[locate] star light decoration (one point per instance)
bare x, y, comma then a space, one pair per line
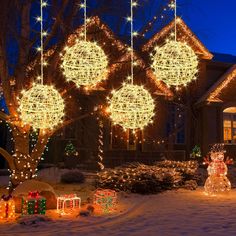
84, 63
175, 63
131, 106
42, 106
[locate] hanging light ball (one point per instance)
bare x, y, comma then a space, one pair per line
175, 63
131, 107
42, 107
85, 63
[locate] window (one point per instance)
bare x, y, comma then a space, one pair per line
176, 124
229, 125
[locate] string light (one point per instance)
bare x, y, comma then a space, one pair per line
41, 107
175, 63
131, 106
84, 63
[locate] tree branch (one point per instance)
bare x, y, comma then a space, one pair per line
8, 157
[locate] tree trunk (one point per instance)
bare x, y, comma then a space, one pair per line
23, 163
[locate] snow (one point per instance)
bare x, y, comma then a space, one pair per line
171, 213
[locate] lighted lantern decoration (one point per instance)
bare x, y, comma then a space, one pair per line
33, 204
67, 203
175, 63
217, 181
131, 107
42, 107
105, 199
84, 63
7, 207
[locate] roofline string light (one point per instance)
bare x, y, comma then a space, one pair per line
131, 106
175, 63
83, 62
42, 106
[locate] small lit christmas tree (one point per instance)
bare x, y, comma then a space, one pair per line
70, 150
217, 181
196, 152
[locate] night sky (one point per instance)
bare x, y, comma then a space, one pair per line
214, 22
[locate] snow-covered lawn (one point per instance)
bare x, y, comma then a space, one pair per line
171, 213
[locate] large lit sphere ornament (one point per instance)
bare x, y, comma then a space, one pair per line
85, 63
42, 107
131, 107
175, 63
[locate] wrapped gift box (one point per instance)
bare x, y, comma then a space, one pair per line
105, 199
67, 203
34, 204
7, 207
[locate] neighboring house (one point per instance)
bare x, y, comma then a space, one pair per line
201, 114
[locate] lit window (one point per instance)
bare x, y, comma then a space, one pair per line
229, 125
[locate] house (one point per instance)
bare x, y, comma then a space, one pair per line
203, 113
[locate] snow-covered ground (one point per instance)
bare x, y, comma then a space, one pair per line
172, 213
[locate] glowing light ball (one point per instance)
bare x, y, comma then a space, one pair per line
217, 182
42, 107
7, 207
175, 63
131, 107
67, 203
84, 63
105, 199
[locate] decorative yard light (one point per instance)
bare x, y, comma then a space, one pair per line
67, 203
175, 63
131, 106
41, 106
7, 207
84, 63
217, 182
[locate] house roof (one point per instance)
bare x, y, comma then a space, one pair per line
183, 33
161, 88
213, 94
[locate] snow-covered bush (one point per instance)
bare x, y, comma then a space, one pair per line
145, 179
73, 177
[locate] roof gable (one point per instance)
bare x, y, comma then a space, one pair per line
183, 34
160, 88
213, 94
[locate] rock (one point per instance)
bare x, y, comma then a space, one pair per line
44, 189
51, 198
90, 208
85, 213
33, 220
32, 185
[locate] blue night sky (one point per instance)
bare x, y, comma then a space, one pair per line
213, 21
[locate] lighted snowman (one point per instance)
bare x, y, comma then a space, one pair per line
217, 181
